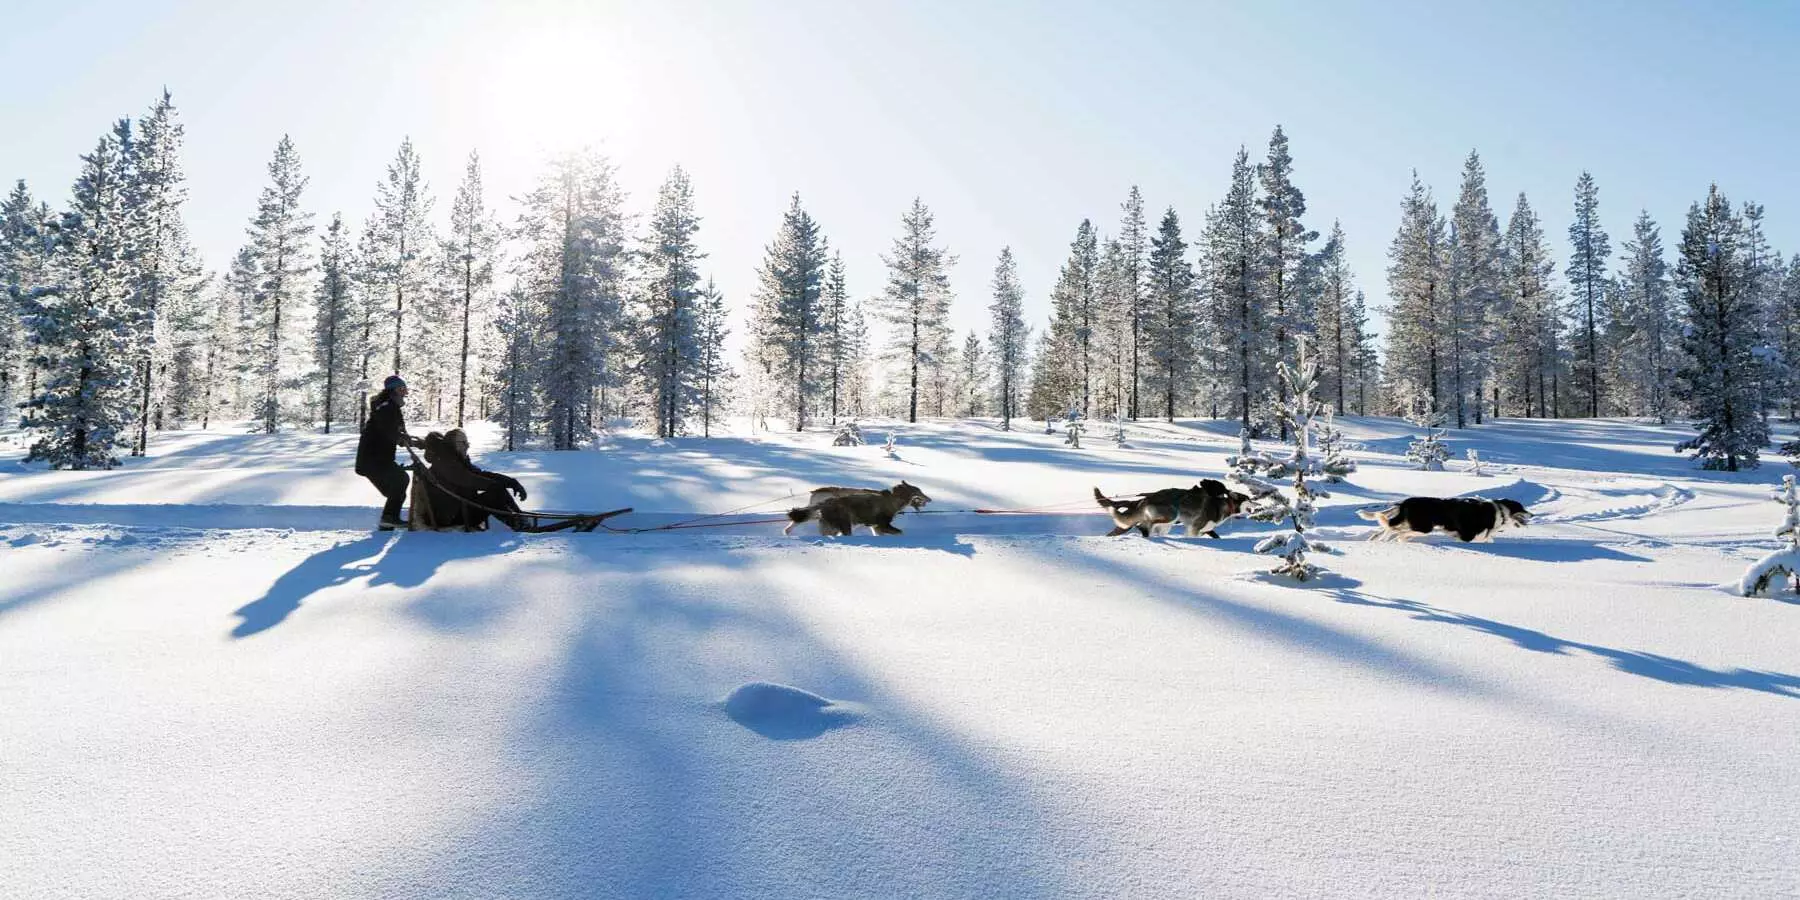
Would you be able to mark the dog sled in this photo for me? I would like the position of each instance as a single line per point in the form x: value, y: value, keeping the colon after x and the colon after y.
x: 425, y: 518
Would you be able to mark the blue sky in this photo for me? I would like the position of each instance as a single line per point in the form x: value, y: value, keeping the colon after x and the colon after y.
x: 1012, y: 120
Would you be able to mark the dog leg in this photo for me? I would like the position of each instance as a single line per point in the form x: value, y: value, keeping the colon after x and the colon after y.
x: 1212, y: 533
x: 1118, y: 530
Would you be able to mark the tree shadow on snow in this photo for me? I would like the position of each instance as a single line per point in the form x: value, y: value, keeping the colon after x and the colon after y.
x: 1636, y: 662
x: 637, y: 780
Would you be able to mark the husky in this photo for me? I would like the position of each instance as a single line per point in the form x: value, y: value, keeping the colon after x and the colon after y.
x: 1469, y: 518
x: 839, y: 510
x: 1200, y: 509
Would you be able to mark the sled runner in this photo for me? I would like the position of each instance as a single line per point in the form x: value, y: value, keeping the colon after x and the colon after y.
x: 423, y: 517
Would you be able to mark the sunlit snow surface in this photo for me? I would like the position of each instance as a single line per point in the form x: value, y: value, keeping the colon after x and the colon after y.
x: 216, y: 680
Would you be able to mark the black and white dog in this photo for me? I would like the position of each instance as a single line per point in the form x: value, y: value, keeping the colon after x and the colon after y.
x: 1469, y: 518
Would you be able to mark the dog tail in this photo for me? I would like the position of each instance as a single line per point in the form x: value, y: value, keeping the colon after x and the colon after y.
x: 802, y: 513
x: 1102, y: 498
x: 1379, y: 515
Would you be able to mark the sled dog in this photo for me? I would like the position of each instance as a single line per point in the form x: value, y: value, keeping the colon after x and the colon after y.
x: 840, y: 509
x: 1469, y: 518
x: 1200, y: 509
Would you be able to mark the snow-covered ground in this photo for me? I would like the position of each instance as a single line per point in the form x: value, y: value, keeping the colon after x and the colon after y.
x: 216, y: 681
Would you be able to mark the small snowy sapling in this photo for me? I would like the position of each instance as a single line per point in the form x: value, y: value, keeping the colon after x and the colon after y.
x: 848, y: 435
x: 1298, y: 414
x: 1475, y: 464
x: 1786, y: 560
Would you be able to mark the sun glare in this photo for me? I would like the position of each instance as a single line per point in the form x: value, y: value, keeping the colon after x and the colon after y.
x: 549, y: 89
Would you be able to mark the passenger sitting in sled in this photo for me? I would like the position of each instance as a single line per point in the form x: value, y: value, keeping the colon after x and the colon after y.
x: 457, y: 489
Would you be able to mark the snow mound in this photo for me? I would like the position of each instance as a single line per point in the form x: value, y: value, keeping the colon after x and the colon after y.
x: 787, y: 713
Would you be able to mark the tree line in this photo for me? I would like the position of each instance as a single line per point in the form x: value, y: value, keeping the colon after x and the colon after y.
x: 576, y: 314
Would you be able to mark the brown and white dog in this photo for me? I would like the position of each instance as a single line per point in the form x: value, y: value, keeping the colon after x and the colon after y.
x: 839, y: 509
x: 1200, y: 509
x: 1469, y: 518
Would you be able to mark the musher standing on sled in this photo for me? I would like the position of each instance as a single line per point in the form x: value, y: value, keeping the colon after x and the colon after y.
x: 385, y: 430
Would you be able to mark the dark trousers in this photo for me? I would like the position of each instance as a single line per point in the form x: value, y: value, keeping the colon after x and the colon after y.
x: 392, y: 483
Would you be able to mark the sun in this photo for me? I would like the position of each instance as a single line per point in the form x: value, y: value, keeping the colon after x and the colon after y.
x: 554, y: 88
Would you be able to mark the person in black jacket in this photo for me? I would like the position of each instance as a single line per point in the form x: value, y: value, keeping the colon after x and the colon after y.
x: 385, y: 430
x: 464, y: 494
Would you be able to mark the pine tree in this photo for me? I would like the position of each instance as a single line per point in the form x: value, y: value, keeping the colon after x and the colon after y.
x: 1526, y: 361
x: 1762, y: 282
x: 837, y: 310
x: 972, y: 375
x: 517, y: 320
x: 1113, y: 337
x: 1589, y: 248
x: 1365, y: 362
x: 1649, y: 335
x: 1337, y: 340
x: 1171, y: 316
x: 26, y: 237
x: 1300, y: 410
x: 789, y: 316
x: 1007, y: 337
x: 856, y: 361
x: 335, y: 321
x: 80, y: 320
x: 1787, y: 336
x: 1284, y: 252
x: 278, y: 237
x: 670, y: 297
x: 1235, y: 244
x: 1719, y: 379
x: 917, y: 300
x: 475, y: 239
x: 571, y: 269
x: 403, y: 236
x: 713, y: 375
x: 1416, y: 320
x: 1473, y: 288
x: 167, y: 269
x: 1133, y: 238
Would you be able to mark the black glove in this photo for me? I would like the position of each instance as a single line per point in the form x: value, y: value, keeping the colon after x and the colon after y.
x: 512, y: 484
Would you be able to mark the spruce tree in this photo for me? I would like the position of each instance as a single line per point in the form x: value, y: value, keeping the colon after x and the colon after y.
x: 279, y: 235
x: 1416, y: 356
x: 917, y: 300
x: 402, y: 207
x: 334, y: 325
x: 669, y: 343
x: 972, y: 375
x: 789, y: 316
x: 1133, y: 244
x: 1719, y: 380
x: 837, y: 311
x: 1007, y: 337
x: 713, y: 374
x: 25, y: 240
x: 1473, y: 288
x: 1172, y: 315
x: 1646, y: 308
x: 1240, y: 318
x: 1589, y: 249
x: 80, y: 320
x: 1526, y: 358
x: 167, y: 269
x: 1282, y: 205
x: 475, y: 239
x: 1336, y: 342
x: 1787, y: 336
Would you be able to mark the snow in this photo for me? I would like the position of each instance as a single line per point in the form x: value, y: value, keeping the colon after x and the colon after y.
x: 219, y: 682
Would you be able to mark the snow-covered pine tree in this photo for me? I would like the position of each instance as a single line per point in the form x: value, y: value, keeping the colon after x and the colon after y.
x: 1786, y: 337
x: 1650, y: 336
x: 972, y: 376
x: 1333, y: 464
x: 1588, y: 252
x: 231, y: 341
x: 1718, y: 380
x: 475, y: 241
x: 1284, y: 255
x: 1300, y: 411
x: 1526, y: 359
x: 917, y: 300
x: 79, y: 320
x: 279, y: 235
x: 335, y: 322
x: 1762, y: 282
x: 836, y: 300
x: 856, y: 361
x: 1416, y: 356
x: 1365, y: 361
x: 571, y: 269
x: 669, y: 342
x: 25, y: 241
x: 1240, y: 318
x: 168, y: 271
x: 1053, y: 378
x: 789, y: 318
x: 1476, y: 464
x: 402, y: 234
x: 1785, y: 560
x: 1133, y: 244
x: 1170, y: 315
x: 712, y: 374
x: 1473, y: 281
x: 1337, y: 341
x: 1007, y: 337
x: 1112, y: 338
x: 517, y: 321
